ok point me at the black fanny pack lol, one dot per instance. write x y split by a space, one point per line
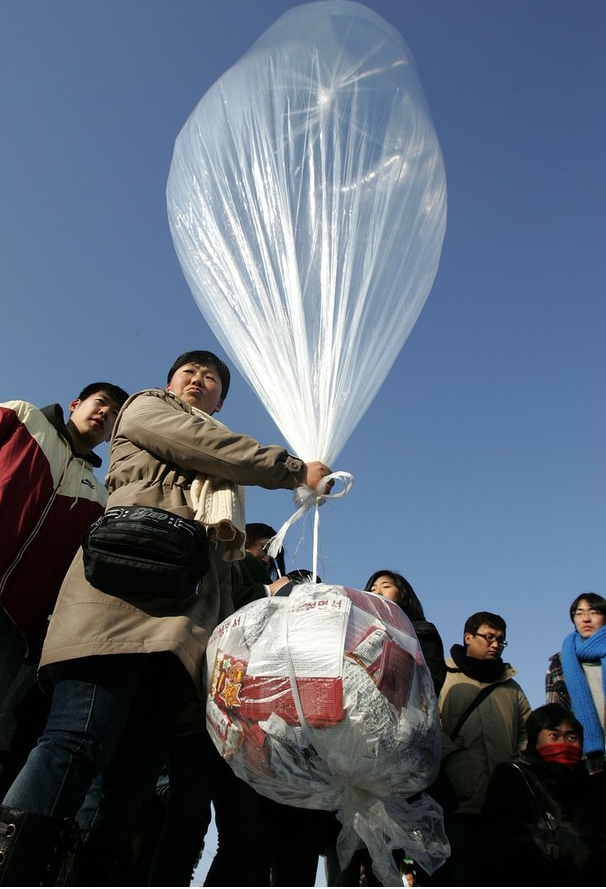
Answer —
141 552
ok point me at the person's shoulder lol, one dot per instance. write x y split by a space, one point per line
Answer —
507 676
428 632
509 767
454 675
424 627
19 407
511 683
159 396
519 765
514 689
151 392
513 770
253 571
38 420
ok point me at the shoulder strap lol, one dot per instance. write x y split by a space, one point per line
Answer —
481 696
546 812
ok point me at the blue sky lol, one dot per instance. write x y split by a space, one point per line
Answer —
479 467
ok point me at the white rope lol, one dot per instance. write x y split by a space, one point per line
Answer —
306 498
292 678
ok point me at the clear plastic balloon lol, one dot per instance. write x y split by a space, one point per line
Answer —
307 205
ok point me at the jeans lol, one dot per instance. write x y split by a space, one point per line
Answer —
12 652
111 714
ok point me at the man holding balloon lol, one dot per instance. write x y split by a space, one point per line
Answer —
120 668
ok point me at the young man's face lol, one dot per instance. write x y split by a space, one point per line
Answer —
94 417
587 619
199 385
476 645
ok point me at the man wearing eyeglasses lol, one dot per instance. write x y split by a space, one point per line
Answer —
483 713
576 676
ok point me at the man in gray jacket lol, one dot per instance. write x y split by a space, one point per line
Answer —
483 713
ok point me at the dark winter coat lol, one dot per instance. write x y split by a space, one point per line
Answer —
546 824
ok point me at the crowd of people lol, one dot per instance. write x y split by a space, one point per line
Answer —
107 772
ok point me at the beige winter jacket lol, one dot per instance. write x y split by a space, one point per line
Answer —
158 447
493 733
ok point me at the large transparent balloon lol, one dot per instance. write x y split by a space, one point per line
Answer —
307 205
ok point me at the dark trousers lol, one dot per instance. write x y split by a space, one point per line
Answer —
199 776
110 722
466 837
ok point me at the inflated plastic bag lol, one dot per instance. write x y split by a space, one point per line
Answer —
322 699
307 205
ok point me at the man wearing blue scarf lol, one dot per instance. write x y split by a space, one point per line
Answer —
576 678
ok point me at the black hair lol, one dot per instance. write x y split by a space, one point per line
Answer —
258 530
549 716
494 621
115 392
592 599
201 357
409 602
303 575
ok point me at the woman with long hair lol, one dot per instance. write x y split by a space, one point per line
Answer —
394 586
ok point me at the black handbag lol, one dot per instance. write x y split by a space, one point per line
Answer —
142 552
556 837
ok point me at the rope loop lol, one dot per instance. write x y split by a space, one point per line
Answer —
306 499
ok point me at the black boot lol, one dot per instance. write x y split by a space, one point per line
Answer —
33 848
98 863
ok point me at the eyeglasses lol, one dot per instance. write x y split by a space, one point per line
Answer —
592 612
491 639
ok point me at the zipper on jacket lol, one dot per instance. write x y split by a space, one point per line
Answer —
26 543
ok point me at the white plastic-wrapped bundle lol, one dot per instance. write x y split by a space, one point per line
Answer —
322 699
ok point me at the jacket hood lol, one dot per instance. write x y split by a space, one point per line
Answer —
54 415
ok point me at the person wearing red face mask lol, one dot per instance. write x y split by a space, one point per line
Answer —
544 809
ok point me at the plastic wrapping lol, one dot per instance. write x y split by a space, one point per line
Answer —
322 699
307 205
